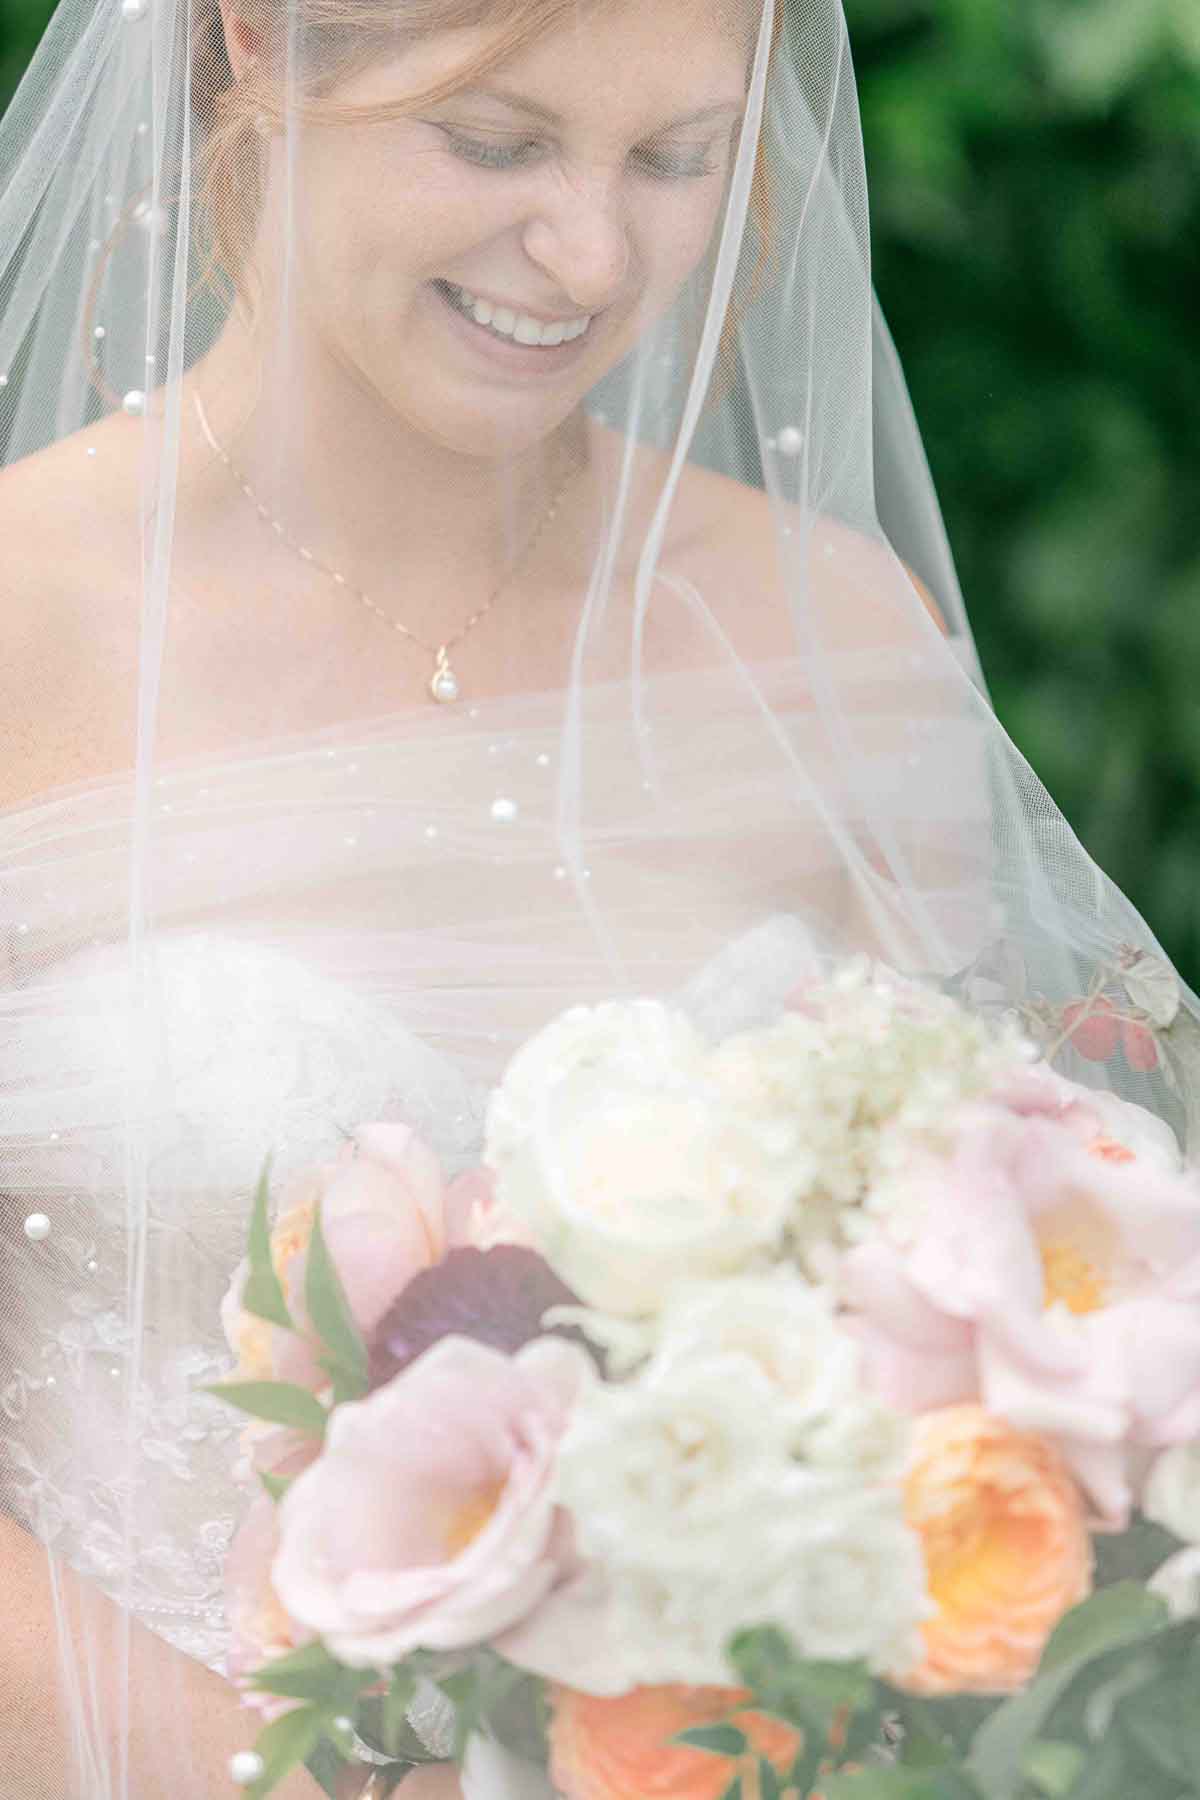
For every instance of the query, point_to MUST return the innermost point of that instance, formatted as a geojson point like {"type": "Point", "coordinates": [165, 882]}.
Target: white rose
{"type": "Point", "coordinates": [863, 1438]}
{"type": "Point", "coordinates": [849, 1578]}
{"type": "Point", "coordinates": [1172, 1492]}
{"type": "Point", "coordinates": [624, 1165]}
{"type": "Point", "coordinates": [1177, 1581]}
{"type": "Point", "coordinates": [671, 1470]}
{"type": "Point", "coordinates": [781, 1325]}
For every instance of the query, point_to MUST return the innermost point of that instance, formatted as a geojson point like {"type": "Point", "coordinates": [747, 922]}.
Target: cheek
{"type": "Point", "coordinates": [678, 228]}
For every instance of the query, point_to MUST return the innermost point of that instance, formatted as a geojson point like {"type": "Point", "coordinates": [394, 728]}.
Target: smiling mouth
{"type": "Point", "coordinates": [515, 327]}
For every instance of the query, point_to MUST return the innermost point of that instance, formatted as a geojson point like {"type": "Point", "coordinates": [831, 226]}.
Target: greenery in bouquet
{"type": "Point", "coordinates": [815, 1412]}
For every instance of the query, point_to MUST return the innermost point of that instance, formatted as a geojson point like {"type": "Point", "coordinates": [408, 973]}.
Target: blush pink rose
{"type": "Point", "coordinates": [386, 1213]}
{"type": "Point", "coordinates": [429, 1520]}
{"type": "Point", "coordinates": [1049, 1271]}
{"type": "Point", "coordinates": [260, 1629]}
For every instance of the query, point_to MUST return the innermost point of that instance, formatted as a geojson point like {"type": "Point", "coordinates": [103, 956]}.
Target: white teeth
{"type": "Point", "coordinates": [519, 326]}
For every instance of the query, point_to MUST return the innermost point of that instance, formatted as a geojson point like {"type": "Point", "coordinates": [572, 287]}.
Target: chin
{"type": "Point", "coordinates": [486, 425]}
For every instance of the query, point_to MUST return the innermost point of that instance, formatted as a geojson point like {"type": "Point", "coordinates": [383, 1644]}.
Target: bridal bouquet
{"type": "Point", "coordinates": [813, 1412]}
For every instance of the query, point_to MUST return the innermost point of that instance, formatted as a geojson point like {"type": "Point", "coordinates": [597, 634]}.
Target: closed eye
{"type": "Point", "coordinates": [485, 155]}
{"type": "Point", "coordinates": [677, 165]}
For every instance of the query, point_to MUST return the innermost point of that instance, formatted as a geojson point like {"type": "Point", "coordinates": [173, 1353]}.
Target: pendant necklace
{"type": "Point", "coordinates": [443, 685]}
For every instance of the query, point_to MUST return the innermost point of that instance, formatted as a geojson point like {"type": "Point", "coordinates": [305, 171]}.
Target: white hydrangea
{"type": "Point", "coordinates": [866, 1064]}
{"type": "Point", "coordinates": [627, 1167]}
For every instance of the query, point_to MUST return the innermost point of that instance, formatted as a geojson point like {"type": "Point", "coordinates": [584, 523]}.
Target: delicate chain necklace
{"type": "Point", "coordinates": [443, 682]}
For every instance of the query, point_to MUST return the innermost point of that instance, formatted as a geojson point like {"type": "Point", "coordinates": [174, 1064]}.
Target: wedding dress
{"type": "Point", "coordinates": [309, 315]}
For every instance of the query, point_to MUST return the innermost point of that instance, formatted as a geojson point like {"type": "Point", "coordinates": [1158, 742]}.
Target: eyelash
{"type": "Point", "coordinates": [502, 157]}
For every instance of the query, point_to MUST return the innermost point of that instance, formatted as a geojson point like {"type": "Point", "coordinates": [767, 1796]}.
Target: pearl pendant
{"type": "Point", "coordinates": [443, 683]}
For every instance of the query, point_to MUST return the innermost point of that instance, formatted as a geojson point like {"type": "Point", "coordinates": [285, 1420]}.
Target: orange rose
{"type": "Point", "coordinates": [1007, 1550]}
{"type": "Point", "coordinates": [621, 1749]}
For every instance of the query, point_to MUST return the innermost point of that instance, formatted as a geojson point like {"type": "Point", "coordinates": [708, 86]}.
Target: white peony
{"type": "Point", "coordinates": [620, 1159]}
{"type": "Point", "coordinates": [1171, 1496]}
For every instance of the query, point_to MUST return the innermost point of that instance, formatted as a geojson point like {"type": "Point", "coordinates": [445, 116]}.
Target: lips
{"type": "Point", "coordinates": [507, 322]}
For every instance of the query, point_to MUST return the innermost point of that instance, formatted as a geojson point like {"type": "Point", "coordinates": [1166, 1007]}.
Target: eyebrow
{"type": "Point", "coordinates": [521, 103]}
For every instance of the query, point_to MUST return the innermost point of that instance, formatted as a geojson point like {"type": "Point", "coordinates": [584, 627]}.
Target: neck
{"type": "Point", "coordinates": [376, 498]}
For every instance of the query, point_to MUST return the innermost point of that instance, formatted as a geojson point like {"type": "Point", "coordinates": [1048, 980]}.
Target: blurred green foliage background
{"type": "Point", "coordinates": [1035, 180]}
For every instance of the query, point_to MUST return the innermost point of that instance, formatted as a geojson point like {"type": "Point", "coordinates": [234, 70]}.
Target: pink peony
{"type": "Point", "coordinates": [1049, 1269]}
{"type": "Point", "coordinates": [386, 1213]}
{"type": "Point", "coordinates": [429, 1520]}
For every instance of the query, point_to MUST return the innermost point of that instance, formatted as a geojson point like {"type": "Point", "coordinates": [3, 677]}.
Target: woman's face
{"type": "Point", "coordinates": [478, 267]}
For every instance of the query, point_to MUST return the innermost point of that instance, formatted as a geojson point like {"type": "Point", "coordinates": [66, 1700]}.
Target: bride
{"type": "Point", "coordinates": [466, 552]}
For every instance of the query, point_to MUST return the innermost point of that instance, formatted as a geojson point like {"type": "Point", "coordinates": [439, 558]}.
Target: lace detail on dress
{"type": "Point", "coordinates": [264, 1055]}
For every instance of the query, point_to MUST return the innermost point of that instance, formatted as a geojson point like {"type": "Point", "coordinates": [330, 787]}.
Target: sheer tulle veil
{"type": "Point", "coordinates": [718, 720]}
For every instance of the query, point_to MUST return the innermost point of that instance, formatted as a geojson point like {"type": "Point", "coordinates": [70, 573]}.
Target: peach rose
{"type": "Point", "coordinates": [620, 1748]}
{"type": "Point", "coordinates": [1006, 1546]}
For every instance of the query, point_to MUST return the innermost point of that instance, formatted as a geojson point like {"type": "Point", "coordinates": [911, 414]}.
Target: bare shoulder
{"type": "Point", "coordinates": [68, 556]}
{"type": "Point", "coordinates": [746, 550]}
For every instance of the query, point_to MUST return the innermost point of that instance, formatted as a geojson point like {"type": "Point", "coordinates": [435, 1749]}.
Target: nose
{"type": "Point", "coordinates": [580, 239]}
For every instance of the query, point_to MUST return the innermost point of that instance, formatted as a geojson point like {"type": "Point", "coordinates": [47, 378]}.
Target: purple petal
{"type": "Point", "coordinates": [497, 1297]}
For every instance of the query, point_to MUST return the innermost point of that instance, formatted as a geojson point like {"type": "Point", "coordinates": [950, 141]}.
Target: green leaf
{"type": "Point", "coordinates": [278, 1402]}
{"type": "Point", "coordinates": [717, 1740]}
{"type": "Point", "coordinates": [806, 1693]}
{"type": "Point", "coordinates": [1132, 1555]}
{"type": "Point", "coordinates": [326, 1768]}
{"type": "Point", "coordinates": [286, 1743]}
{"type": "Point", "coordinates": [1162, 1719]}
{"type": "Point", "coordinates": [1110, 1621]}
{"type": "Point", "coordinates": [926, 1742]}
{"type": "Point", "coordinates": [769, 1785]}
{"type": "Point", "coordinates": [1053, 1767]}
{"type": "Point", "coordinates": [332, 1320]}
{"type": "Point", "coordinates": [394, 1711]}
{"type": "Point", "coordinates": [263, 1295]}
{"type": "Point", "coordinates": [901, 1784]}
{"type": "Point", "coordinates": [276, 1485]}
{"type": "Point", "coordinates": [1117, 1615]}
{"type": "Point", "coordinates": [312, 1674]}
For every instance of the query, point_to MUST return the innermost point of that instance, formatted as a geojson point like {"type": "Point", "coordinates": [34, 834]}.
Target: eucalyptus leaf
{"type": "Point", "coordinates": [331, 1318]}
{"type": "Point", "coordinates": [278, 1402]}
{"type": "Point", "coordinates": [263, 1294]}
